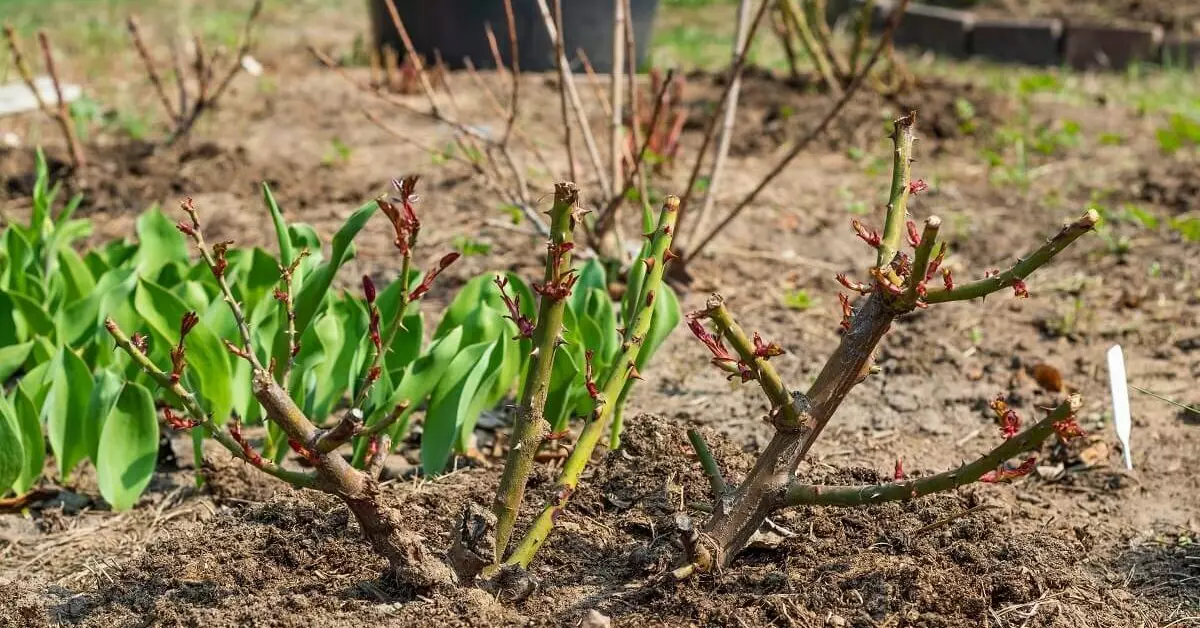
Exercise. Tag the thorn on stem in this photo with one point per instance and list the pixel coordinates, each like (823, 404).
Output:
(935, 263)
(140, 342)
(177, 422)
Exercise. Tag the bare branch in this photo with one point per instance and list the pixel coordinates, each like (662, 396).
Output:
(729, 107)
(589, 141)
(884, 41)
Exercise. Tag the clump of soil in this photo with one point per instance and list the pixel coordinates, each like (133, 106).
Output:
(298, 560)
(773, 112)
(124, 177)
(1170, 183)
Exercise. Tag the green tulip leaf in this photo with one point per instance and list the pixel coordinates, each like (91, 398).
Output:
(70, 432)
(128, 448)
(451, 403)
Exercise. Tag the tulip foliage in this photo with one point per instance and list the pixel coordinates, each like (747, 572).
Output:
(64, 383)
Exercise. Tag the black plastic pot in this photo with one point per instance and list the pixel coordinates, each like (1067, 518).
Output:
(455, 28)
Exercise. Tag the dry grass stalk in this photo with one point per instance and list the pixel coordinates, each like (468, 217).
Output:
(59, 111)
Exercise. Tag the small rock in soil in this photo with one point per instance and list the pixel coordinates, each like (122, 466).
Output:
(596, 619)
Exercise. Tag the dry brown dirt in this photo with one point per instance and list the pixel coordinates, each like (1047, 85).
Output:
(1087, 546)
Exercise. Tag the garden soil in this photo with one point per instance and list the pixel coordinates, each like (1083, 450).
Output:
(1081, 542)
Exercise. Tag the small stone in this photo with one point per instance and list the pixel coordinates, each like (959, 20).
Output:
(903, 401)
(1094, 454)
(1051, 473)
(596, 619)
(835, 620)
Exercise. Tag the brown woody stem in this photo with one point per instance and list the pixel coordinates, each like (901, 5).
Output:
(816, 495)
(555, 31)
(1022, 269)
(151, 67)
(192, 406)
(529, 423)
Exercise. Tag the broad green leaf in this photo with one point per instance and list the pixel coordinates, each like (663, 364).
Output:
(508, 368)
(77, 278)
(451, 403)
(483, 324)
(160, 243)
(12, 358)
(65, 411)
(12, 450)
(259, 279)
(208, 371)
(128, 448)
(34, 317)
(25, 411)
(96, 264)
(105, 391)
(66, 234)
(19, 252)
(304, 236)
(8, 326)
(591, 277)
(43, 352)
(80, 321)
(465, 302)
(312, 353)
(41, 193)
(423, 375)
(118, 253)
(286, 251)
(565, 372)
(417, 383)
(666, 316)
(492, 371)
(339, 344)
(69, 210)
(316, 285)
